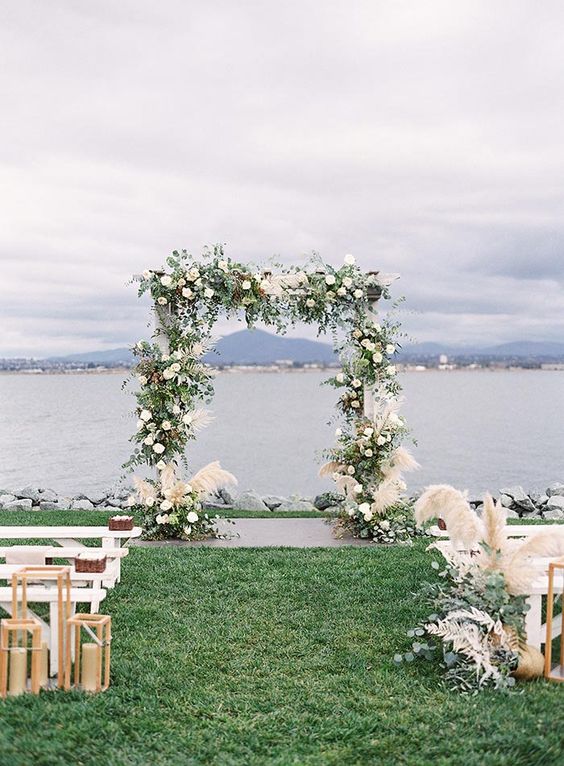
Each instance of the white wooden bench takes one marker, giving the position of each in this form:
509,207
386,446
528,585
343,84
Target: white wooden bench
68,537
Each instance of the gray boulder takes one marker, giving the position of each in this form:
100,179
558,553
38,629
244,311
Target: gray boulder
116,502
273,501
555,502
292,505
22,504
81,505
226,496
29,493
512,514
95,496
48,495
47,505
506,501
526,505
517,493
334,510
7,498
554,514
555,489
327,499
249,501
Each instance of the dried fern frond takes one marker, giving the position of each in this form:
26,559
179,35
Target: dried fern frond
328,469
210,478
448,503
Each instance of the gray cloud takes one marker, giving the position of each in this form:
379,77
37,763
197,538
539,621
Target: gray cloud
423,137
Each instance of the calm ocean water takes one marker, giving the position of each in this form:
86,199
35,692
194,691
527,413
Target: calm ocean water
477,430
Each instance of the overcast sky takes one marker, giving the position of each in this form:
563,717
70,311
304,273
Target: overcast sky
425,137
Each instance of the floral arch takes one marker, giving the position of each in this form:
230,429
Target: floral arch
189,295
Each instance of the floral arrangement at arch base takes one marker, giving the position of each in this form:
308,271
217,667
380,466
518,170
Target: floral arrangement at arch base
172,508
477,608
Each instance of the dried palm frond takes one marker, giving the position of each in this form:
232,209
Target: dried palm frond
387,494
383,408
210,478
144,489
443,501
328,469
201,347
346,485
198,419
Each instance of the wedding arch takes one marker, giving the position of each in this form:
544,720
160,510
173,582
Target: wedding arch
190,294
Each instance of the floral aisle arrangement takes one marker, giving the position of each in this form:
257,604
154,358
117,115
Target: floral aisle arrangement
478,606
190,295
172,508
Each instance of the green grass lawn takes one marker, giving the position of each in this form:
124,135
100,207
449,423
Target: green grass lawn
274,656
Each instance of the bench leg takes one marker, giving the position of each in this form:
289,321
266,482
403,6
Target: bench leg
533,621
112,543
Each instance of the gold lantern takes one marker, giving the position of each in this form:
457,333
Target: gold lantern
91,657
57,576
20,638
556,672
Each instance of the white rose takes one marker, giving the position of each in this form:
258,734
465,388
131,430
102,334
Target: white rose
147,274
186,292
168,373
356,383
368,453
222,265
161,465
351,469
349,259
187,419
368,432
143,380
391,369
208,292
140,424
178,354
192,517
246,285
353,395
395,419
357,333
165,357
384,524
364,508
358,293
165,425
381,440
351,512
149,501
162,301
149,440
390,348
340,377
377,357
158,448
187,531
198,282
166,281
181,282
192,275
342,291
338,432
368,516
176,409
166,505
310,303
347,281
329,279
355,404
146,415
175,367
358,489
162,518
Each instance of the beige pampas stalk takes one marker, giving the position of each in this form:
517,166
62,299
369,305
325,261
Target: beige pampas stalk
167,477
387,494
144,489
516,564
330,468
210,478
404,460
346,485
448,503
494,533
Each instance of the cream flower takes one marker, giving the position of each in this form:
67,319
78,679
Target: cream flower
368,453
351,469
368,515
222,265
162,518
381,440
175,367
377,357
357,333
364,508
187,293
310,303
176,409
347,281
149,501
149,440
166,505
158,448
166,425
338,432
349,259
181,282
208,292
147,274
246,284
131,500
192,517
391,369
355,404
356,383
390,348
368,431
358,489
342,291
358,293
168,373
166,280
146,415
162,301
329,279
340,377
187,419
143,380
161,465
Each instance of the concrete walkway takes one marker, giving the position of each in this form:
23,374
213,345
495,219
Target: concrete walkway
265,533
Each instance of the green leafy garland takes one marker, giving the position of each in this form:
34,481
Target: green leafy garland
189,297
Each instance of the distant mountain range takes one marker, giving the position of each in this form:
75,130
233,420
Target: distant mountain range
260,347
